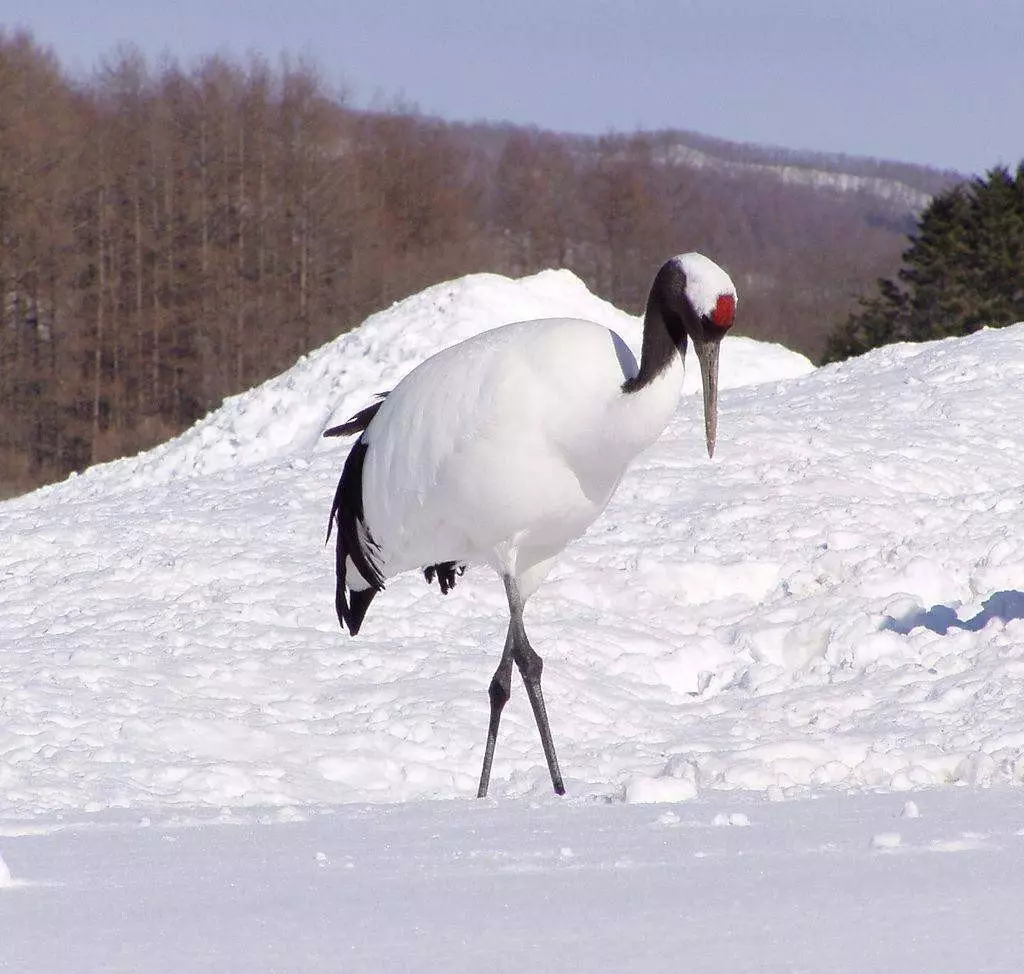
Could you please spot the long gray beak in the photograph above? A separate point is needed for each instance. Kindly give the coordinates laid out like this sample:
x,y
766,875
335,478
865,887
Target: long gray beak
x,y
707,356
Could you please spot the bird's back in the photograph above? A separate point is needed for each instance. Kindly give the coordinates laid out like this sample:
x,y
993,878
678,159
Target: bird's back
x,y
498,440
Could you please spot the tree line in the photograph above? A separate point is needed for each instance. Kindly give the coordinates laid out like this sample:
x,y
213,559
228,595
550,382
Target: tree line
x,y
169,236
963,270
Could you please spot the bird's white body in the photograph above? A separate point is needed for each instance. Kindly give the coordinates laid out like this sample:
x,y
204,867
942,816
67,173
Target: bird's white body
x,y
507,446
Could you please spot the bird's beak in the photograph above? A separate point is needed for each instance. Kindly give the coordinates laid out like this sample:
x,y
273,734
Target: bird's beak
x,y
707,356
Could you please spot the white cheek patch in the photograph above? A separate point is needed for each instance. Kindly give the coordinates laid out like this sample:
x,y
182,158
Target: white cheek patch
x,y
706,282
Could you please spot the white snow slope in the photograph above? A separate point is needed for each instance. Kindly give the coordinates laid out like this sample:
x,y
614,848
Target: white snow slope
x,y
833,607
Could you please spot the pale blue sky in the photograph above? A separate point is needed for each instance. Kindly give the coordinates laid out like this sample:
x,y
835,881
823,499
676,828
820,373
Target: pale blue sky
x,y
928,81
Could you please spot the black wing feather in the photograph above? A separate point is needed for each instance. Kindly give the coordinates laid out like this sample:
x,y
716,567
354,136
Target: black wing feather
x,y
360,421
354,542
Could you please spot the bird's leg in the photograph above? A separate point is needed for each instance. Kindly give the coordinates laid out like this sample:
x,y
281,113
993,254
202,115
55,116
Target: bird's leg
x,y
499,692
530,667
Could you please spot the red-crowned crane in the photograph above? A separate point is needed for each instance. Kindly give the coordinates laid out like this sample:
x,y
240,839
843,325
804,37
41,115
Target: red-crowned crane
x,y
505,447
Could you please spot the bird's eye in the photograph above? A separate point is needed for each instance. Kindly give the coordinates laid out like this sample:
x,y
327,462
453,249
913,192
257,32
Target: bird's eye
x,y
725,311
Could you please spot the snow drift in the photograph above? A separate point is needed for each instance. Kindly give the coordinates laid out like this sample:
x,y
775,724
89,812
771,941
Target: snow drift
x,y
834,602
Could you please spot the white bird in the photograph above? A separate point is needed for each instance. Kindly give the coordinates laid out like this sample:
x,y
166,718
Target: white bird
x,y
505,447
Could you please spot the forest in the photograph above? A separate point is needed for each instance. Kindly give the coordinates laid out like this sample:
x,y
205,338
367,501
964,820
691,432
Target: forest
x,y
963,270
172,235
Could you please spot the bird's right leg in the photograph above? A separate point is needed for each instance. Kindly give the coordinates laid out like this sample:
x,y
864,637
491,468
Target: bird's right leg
x,y
499,692
530,668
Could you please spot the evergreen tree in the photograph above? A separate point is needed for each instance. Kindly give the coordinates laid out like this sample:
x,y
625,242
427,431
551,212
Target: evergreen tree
x,y
964,270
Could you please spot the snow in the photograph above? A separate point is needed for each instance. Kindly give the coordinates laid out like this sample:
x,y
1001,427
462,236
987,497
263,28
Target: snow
x,y
784,685
548,887
890,190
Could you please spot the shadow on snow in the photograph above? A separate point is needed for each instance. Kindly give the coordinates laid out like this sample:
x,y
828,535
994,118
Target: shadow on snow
x,y
941,618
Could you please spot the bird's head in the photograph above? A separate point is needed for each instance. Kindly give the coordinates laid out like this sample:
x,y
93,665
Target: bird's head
x,y
698,301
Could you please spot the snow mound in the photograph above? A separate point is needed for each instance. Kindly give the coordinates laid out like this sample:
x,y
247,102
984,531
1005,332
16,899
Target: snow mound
x,y
834,603
285,416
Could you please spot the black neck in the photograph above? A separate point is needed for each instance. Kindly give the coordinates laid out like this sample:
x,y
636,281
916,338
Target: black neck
x,y
664,333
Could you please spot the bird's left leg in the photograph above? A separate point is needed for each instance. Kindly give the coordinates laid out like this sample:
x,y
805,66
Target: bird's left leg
x,y
530,667
499,692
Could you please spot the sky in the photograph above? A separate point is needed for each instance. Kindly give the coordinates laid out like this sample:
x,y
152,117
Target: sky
x,y
935,82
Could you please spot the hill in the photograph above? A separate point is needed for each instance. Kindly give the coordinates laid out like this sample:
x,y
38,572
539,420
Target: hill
x,y
762,621
785,685
173,236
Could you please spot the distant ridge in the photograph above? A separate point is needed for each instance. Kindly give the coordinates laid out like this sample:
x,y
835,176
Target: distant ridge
x,y
890,190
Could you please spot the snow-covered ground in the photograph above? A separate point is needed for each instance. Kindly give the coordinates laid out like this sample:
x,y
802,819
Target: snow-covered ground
x,y
199,772
724,884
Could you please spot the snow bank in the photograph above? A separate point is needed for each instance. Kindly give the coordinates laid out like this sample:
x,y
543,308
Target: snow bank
x,y
834,602
285,416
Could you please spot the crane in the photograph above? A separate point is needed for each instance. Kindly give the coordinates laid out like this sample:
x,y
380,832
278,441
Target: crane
x,y
503,448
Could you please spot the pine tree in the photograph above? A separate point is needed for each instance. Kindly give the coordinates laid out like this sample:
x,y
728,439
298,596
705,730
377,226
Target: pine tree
x,y
964,270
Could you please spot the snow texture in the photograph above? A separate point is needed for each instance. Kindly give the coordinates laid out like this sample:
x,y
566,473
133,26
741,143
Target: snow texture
x,y
831,609
167,633
831,602
731,884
